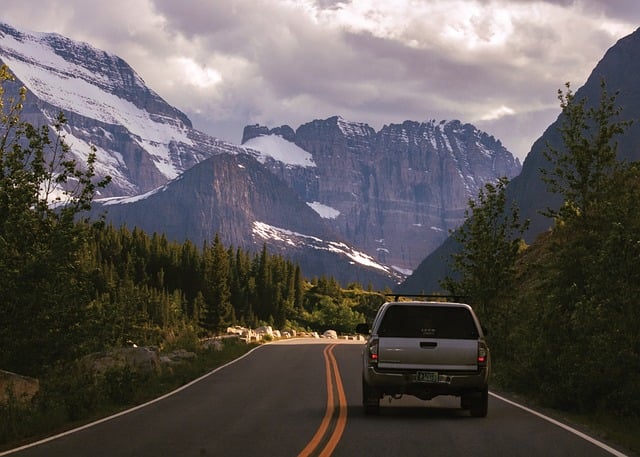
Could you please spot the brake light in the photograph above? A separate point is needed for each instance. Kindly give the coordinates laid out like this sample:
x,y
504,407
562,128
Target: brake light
x,y
482,354
373,351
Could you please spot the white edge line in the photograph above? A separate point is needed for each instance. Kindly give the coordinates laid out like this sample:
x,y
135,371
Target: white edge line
x,y
584,436
130,410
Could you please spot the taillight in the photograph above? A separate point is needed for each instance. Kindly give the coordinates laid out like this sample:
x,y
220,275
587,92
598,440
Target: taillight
x,y
483,354
373,351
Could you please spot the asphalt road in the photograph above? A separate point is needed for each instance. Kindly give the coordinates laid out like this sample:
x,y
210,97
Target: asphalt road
x,y
291,399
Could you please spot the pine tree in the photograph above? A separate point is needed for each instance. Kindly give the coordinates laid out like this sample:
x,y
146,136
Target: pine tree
x,y
218,313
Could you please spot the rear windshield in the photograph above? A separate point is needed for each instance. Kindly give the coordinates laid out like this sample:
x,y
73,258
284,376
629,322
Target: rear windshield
x,y
428,322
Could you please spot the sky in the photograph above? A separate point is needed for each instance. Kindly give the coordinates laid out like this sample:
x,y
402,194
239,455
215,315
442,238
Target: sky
x,y
497,64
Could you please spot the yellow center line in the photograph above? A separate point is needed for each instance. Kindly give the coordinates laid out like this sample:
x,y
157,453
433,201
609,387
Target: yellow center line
x,y
331,368
324,425
342,415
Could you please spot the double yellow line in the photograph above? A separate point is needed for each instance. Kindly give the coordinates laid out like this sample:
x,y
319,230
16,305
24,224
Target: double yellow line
x,y
332,426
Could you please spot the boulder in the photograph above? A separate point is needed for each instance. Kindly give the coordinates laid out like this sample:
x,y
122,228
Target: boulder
x,y
140,359
17,386
177,356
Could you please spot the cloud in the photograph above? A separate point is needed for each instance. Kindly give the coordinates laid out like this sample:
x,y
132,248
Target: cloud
x,y
498,113
494,63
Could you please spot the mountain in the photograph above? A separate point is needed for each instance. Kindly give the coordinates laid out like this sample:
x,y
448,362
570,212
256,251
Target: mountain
x,y
166,176
619,68
394,193
142,142
336,196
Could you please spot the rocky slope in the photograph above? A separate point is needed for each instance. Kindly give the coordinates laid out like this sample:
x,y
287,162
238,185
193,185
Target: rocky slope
x,y
234,196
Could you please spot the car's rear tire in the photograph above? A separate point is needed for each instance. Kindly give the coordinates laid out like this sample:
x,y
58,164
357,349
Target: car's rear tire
x,y
370,399
479,404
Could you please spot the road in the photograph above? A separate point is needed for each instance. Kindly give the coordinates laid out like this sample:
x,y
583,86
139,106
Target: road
x,y
275,402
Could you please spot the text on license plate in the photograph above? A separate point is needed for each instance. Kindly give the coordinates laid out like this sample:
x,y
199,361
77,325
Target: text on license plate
x,y
426,376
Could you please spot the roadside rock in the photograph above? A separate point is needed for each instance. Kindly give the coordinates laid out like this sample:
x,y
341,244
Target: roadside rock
x,y
20,387
177,356
141,359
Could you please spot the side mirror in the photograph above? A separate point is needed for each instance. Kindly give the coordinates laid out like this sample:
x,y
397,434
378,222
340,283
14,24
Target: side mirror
x,y
363,329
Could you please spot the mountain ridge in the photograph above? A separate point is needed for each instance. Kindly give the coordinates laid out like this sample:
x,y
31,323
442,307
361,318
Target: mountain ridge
x,y
397,191
140,140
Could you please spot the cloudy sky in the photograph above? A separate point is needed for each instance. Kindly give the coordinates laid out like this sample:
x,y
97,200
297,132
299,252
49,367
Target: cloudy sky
x,y
227,63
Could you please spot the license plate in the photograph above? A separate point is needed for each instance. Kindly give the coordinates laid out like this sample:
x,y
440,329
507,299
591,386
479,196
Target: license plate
x,y
426,376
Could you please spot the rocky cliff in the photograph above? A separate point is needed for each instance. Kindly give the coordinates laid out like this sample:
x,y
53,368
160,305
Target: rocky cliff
x,y
394,193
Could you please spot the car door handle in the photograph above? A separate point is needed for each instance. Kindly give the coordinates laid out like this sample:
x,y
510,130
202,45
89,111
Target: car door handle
x,y
428,344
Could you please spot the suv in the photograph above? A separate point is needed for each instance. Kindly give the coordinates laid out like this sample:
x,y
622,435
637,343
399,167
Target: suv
x,y
425,349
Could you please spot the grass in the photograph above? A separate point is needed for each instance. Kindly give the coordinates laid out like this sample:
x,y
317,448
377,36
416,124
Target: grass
x,y
622,432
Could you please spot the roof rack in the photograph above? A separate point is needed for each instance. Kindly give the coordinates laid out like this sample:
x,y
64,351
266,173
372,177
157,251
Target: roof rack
x,y
431,296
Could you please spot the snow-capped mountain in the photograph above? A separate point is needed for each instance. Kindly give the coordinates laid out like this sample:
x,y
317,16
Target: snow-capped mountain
x,y
146,146
142,142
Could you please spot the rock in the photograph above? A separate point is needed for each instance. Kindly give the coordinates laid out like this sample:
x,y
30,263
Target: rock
x,y
216,343
23,388
179,355
256,130
141,359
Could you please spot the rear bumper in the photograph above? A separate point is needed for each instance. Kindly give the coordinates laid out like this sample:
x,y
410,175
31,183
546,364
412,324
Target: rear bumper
x,y
404,382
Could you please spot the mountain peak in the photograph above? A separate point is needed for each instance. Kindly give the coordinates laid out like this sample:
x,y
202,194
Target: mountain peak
x,y
332,189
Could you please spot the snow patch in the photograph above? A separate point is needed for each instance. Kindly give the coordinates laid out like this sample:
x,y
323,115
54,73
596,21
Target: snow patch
x,y
325,212
404,271
277,148
266,231
123,200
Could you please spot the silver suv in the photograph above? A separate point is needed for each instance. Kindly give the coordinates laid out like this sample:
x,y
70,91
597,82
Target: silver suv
x,y
425,349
